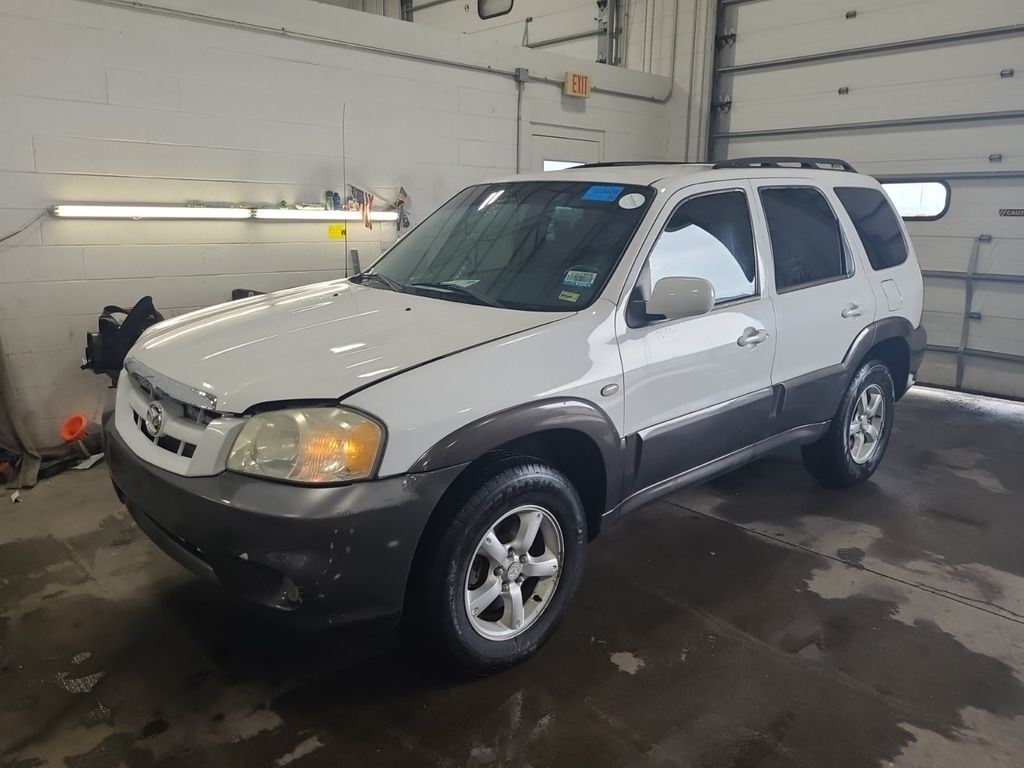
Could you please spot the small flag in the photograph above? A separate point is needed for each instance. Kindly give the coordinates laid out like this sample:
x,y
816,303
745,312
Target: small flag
x,y
402,205
364,202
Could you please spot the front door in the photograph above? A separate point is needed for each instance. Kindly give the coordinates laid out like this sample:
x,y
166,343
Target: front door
x,y
699,388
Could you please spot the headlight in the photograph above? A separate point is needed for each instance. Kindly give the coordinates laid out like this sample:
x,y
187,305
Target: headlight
x,y
308,445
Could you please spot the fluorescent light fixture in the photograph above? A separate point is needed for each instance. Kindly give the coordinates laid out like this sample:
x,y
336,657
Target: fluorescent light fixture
x,y
148,212
200,212
306,214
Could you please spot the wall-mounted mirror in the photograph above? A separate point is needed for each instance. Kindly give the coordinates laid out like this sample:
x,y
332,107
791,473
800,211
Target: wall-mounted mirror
x,y
488,9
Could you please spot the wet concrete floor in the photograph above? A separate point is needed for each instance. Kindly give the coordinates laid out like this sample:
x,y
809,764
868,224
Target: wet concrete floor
x,y
758,620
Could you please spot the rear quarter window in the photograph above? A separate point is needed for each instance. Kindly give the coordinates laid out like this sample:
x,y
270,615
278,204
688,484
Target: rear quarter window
x,y
877,224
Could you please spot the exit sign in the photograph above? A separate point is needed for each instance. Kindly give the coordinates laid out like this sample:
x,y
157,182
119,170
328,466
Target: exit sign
x,y
577,84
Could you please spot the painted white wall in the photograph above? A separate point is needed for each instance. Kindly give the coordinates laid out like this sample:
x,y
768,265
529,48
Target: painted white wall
x,y
113,104
648,27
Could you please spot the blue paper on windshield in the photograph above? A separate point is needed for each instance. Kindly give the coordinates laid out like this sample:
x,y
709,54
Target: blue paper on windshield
x,y
603,193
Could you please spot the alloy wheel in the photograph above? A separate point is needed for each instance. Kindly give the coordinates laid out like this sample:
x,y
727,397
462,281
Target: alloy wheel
x,y
514,572
866,424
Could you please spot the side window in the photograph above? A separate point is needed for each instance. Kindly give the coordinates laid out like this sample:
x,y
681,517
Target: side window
x,y
710,237
807,241
877,225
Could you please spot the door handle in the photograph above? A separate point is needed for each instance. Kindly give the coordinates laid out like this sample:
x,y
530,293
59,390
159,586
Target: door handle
x,y
852,310
752,337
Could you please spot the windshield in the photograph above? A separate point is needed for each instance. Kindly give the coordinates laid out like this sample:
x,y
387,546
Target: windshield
x,y
538,245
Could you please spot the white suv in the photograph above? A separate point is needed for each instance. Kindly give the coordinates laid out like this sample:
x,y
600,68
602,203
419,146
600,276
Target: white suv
x,y
442,434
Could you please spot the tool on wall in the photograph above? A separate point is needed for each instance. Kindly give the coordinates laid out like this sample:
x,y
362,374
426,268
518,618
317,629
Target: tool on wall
x,y
105,349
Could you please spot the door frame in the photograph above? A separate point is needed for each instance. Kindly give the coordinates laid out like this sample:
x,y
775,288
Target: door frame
x,y
540,130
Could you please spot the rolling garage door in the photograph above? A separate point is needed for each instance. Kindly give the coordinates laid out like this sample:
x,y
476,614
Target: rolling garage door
x,y
909,91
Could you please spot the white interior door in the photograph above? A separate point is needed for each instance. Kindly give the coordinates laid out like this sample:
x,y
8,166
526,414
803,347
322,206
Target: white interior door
x,y
553,152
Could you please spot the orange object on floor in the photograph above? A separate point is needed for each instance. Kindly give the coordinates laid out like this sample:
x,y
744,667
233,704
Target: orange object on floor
x,y
73,428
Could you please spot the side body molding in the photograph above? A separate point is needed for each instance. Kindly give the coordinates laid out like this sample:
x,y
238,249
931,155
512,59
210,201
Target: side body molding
x,y
473,440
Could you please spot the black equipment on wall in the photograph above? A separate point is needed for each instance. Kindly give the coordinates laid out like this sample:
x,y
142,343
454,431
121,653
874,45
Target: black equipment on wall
x,y
105,349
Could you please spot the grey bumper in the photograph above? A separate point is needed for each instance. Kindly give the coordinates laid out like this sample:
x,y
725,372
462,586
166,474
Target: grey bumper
x,y
335,555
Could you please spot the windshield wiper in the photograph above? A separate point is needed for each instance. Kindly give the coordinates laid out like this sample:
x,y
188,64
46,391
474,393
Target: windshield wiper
x,y
393,285
460,291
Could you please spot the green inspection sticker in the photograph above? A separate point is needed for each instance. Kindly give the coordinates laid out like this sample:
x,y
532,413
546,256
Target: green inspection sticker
x,y
569,296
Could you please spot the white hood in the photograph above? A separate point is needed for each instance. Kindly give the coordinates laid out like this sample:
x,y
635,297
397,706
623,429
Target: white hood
x,y
317,342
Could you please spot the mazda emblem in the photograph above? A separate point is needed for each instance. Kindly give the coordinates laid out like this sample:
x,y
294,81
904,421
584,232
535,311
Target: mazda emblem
x,y
154,419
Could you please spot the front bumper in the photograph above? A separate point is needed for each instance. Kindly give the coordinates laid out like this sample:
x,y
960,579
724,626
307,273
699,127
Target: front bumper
x,y
336,555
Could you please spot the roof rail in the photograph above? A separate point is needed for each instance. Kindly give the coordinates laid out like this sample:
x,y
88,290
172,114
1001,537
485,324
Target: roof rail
x,y
633,163
818,163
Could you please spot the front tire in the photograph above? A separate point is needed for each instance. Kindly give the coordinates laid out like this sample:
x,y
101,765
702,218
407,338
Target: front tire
x,y
859,434
505,567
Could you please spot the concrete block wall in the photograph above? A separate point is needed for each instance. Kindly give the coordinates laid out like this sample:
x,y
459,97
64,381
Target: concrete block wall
x,y
101,102
647,27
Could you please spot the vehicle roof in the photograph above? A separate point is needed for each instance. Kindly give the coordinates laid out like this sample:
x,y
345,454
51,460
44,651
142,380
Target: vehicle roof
x,y
681,174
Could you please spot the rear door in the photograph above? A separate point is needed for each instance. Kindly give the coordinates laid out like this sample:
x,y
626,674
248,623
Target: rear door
x,y
822,295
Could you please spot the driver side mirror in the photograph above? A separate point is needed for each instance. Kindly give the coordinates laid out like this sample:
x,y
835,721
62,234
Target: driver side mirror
x,y
678,297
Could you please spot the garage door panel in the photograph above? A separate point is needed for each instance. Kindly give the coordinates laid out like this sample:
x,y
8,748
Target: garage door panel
x,y
771,30
907,84
997,334
944,295
941,111
938,368
997,300
945,254
1004,377
944,328
1003,257
951,148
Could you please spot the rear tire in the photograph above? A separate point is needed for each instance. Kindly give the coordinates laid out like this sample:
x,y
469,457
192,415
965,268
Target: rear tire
x,y
859,433
490,598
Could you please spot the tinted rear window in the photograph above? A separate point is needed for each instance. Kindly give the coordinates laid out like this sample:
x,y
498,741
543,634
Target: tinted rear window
x,y
877,225
807,243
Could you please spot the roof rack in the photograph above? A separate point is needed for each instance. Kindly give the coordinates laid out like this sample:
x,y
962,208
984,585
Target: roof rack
x,y
633,163
818,163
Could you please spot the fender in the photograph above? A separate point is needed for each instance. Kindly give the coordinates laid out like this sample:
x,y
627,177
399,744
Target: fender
x,y
814,397
880,330
473,440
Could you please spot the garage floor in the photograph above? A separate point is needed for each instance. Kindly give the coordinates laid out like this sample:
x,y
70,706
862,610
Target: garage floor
x,y
759,620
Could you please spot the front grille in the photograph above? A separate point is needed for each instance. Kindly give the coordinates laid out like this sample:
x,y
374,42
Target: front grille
x,y
201,416
168,443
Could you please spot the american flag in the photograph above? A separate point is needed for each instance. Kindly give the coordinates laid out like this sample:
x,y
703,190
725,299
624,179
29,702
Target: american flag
x,y
403,198
364,200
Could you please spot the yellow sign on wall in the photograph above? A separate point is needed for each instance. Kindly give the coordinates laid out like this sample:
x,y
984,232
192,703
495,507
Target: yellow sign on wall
x,y
577,84
335,231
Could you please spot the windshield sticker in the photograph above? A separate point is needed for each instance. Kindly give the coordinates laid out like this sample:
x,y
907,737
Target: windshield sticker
x,y
569,296
632,200
461,283
577,278
603,193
